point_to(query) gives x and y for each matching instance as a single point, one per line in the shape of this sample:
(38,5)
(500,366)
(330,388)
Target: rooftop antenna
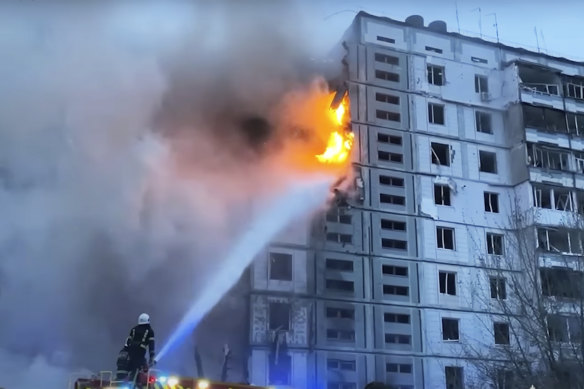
(480,20)
(536,39)
(457,19)
(543,41)
(496,25)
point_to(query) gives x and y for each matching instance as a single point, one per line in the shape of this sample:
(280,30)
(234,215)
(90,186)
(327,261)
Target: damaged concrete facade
(452,133)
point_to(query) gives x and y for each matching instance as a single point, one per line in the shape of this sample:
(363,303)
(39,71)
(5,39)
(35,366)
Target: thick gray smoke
(132,139)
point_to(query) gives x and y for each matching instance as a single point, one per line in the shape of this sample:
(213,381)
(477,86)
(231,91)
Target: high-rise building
(453,134)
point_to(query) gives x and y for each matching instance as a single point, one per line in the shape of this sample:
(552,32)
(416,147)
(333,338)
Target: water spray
(300,198)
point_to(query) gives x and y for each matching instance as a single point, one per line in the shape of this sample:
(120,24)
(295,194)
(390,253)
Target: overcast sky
(559,23)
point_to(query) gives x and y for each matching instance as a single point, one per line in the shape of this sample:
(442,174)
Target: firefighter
(123,365)
(141,338)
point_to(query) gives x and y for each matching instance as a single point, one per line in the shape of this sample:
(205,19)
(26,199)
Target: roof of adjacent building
(519,50)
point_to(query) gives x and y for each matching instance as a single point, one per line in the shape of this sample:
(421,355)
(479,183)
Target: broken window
(396,290)
(538,80)
(336,215)
(491,202)
(494,244)
(343,335)
(575,123)
(279,316)
(400,318)
(575,89)
(450,329)
(547,158)
(441,194)
(384,58)
(392,199)
(392,270)
(481,84)
(559,241)
(390,157)
(558,328)
(498,288)
(483,122)
(563,199)
(435,75)
(339,238)
(454,377)
(447,282)
(339,264)
(391,181)
(542,197)
(436,113)
(385,98)
(487,161)
(445,238)
(561,282)
(394,244)
(501,331)
(340,313)
(387,76)
(393,225)
(505,379)
(547,119)
(281,266)
(391,139)
(340,285)
(398,339)
(387,115)
(440,154)
(340,364)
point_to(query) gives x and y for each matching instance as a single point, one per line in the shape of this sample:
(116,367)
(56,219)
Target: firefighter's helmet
(144,318)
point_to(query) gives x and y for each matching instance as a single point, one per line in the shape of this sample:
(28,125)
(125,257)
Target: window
(542,197)
(483,122)
(280,267)
(390,157)
(339,264)
(553,198)
(559,241)
(447,282)
(565,328)
(392,199)
(395,244)
(505,379)
(546,158)
(487,161)
(445,238)
(387,76)
(575,90)
(435,75)
(491,202)
(335,215)
(279,316)
(498,288)
(340,313)
(391,181)
(434,49)
(385,39)
(562,282)
(386,115)
(384,58)
(392,270)
(398,339)
(341,385)
(435,113)
(478,60)
(345,335)
(501,333)
(440,154)
(494,244)
(441,194)
(385,98)
(339,364)
(404,368)
(391,139)
(339,238)
(396,290)
(400,318)
(340,285)
(481,84)
(454,377)
(393,225)
(450,329)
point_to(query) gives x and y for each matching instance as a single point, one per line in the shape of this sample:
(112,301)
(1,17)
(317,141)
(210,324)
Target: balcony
(539,85)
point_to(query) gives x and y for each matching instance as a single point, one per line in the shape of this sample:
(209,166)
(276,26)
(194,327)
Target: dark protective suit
(123,365)
(141,338)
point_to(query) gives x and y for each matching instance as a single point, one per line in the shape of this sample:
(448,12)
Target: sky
(557,22)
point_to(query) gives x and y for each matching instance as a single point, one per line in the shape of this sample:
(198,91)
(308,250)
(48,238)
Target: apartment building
(453,134)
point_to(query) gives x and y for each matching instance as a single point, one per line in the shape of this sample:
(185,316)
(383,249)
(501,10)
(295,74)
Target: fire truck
(154,380)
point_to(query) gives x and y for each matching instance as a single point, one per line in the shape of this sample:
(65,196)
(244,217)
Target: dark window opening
(445,238)
(487,161)
(478,60)
(339,264)
(281,266)
(340,285)
(387,76)
(575,123)
(394,270)
(396,290)
(447,282)
(400,318)
(547,158)
(481,84)
(495,244)
(339,238)
(392,199)
(385,39)
(564,283)
(393,225)
(435,75)
(391,181)
(501,333)
(384,58)
(335,215)
(441,194)
(385,98)
(339,364)
(450,329)
(390,157)
(404,368)
(454,377)
(483,122)
(491,202)
(436,113)
(394,244)
(279,316)
(340,313)
(498,288)
(391,139)
(546,119)
(387,115)
(398,339)
(344,335)
(440,154)
(434,49)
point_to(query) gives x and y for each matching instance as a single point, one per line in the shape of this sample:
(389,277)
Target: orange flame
(340,141)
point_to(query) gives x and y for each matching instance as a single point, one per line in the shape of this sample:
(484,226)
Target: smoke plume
(133,137)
